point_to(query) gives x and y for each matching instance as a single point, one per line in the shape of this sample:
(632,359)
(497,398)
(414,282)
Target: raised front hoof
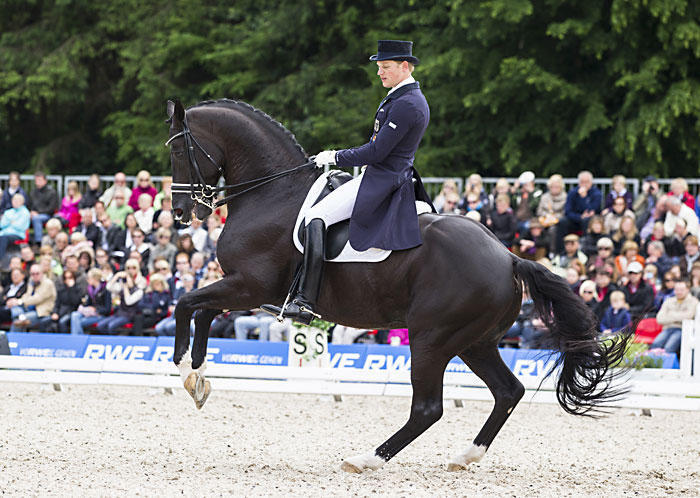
(360,463)
(199,388)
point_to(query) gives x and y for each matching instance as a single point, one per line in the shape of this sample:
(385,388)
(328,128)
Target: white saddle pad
(348,254)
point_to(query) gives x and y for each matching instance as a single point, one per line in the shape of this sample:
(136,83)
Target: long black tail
(586,378)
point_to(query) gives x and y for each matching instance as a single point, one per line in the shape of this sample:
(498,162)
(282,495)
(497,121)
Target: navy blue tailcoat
(384,215)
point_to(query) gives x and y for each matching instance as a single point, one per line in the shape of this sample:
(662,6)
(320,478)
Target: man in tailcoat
(381,201)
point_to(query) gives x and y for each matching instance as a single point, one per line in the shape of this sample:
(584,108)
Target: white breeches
(336,206)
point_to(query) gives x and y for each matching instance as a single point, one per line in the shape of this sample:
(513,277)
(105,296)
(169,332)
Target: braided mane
(255,113)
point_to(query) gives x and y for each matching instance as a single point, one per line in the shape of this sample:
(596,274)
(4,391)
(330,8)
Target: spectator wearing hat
(582,203)
(571,251)
(638,294)
(643,206)
(533,243)
(674,310)
(594,233)
(676,210)
(526,198)
(628,254)
(618,190)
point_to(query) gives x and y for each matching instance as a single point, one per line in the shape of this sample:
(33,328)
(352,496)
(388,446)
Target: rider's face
(392,72)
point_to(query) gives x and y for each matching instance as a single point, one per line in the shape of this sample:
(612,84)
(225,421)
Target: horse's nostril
(177,213)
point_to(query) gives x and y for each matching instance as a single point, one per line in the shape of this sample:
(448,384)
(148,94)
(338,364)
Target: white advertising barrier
(651,388)
(690,348)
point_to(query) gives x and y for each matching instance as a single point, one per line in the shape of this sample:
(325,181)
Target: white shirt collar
(407,81)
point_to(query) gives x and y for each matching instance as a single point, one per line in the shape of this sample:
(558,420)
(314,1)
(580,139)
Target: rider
(380,202)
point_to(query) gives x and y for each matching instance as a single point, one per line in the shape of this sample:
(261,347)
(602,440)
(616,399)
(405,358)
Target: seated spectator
(244,325)
(472,204)
(114,236)
(604,287)
(602,256)
(626,232)
(144,185)
(638,294)
(13,187)
(15,263)
(119,209)
(616,316)
(85,260)
(571,251)
(92,193)
(524,320)
(119,185)
(88,227)
(165,192)
(68,213)
(645,203)
(27,255)
(501,221)
(142,247)
(614,216)
(165,220)
(656,255)
(60,244)
(572,276)
(162,248)
(71,263)
(95,305)
(54,268)
(162,267)
(550,210)
(53,228)
(618,190)
(44,203)
(526,197)
(581,204)
(68,297)
(144,214)
(186,283)
(475,184)
(185,244)
(78,244)
(502,187)
(594,232)
(692,254)
(346,335)
(628,254)
(533,244)
(199,235)
(678,211)
(450,206)
(695,279)
(34,304)
(214,230)
(197,266)
(102,258)
(222,325)
(209,277)
(15,289)
(182,266)
(668,283)
(154,305)
(448,187)
(14,224)
(127,289)
(674,310)
(100,210)
(679,190)
(587,291)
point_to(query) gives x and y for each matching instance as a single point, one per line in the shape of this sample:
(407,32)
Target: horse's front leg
(209,301)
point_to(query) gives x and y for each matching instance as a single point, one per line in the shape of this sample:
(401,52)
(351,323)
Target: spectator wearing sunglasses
(162,248)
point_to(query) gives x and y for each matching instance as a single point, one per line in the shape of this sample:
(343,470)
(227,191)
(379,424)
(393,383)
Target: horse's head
(195,160)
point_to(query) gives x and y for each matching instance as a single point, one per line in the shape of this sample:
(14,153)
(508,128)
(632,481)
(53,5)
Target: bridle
(204,193)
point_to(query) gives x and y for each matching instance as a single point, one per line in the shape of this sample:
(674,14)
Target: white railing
(650,388)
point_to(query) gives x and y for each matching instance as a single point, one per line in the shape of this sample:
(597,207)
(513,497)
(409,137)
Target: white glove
(325,158)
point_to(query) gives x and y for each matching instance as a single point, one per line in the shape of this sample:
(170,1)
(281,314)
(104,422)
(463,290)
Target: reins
(202,192)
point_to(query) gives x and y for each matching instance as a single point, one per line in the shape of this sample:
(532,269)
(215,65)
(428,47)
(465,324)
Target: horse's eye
(178,153)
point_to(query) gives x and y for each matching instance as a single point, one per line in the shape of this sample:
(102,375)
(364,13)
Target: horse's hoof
(461,461)
(199,388)
(360,463)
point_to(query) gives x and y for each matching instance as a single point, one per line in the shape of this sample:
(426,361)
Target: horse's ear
(175,109)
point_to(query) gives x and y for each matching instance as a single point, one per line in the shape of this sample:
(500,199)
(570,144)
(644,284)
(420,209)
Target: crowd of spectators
(115,260)
(628,258)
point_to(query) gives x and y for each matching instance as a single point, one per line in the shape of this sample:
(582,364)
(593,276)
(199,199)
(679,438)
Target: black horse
(457,293)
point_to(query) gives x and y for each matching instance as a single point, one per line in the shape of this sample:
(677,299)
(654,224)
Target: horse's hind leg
(427,371)
(507,391)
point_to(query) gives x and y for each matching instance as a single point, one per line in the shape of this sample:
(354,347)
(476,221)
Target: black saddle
(337,234)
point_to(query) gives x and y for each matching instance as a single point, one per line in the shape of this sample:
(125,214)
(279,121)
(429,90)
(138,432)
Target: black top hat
(395,50)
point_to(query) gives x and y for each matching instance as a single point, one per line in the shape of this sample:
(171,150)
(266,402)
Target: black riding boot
(300,309)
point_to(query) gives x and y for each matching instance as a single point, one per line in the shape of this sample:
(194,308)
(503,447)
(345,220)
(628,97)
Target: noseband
(204,193)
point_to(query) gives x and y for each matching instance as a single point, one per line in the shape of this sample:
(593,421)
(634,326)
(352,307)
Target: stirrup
(303,308)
